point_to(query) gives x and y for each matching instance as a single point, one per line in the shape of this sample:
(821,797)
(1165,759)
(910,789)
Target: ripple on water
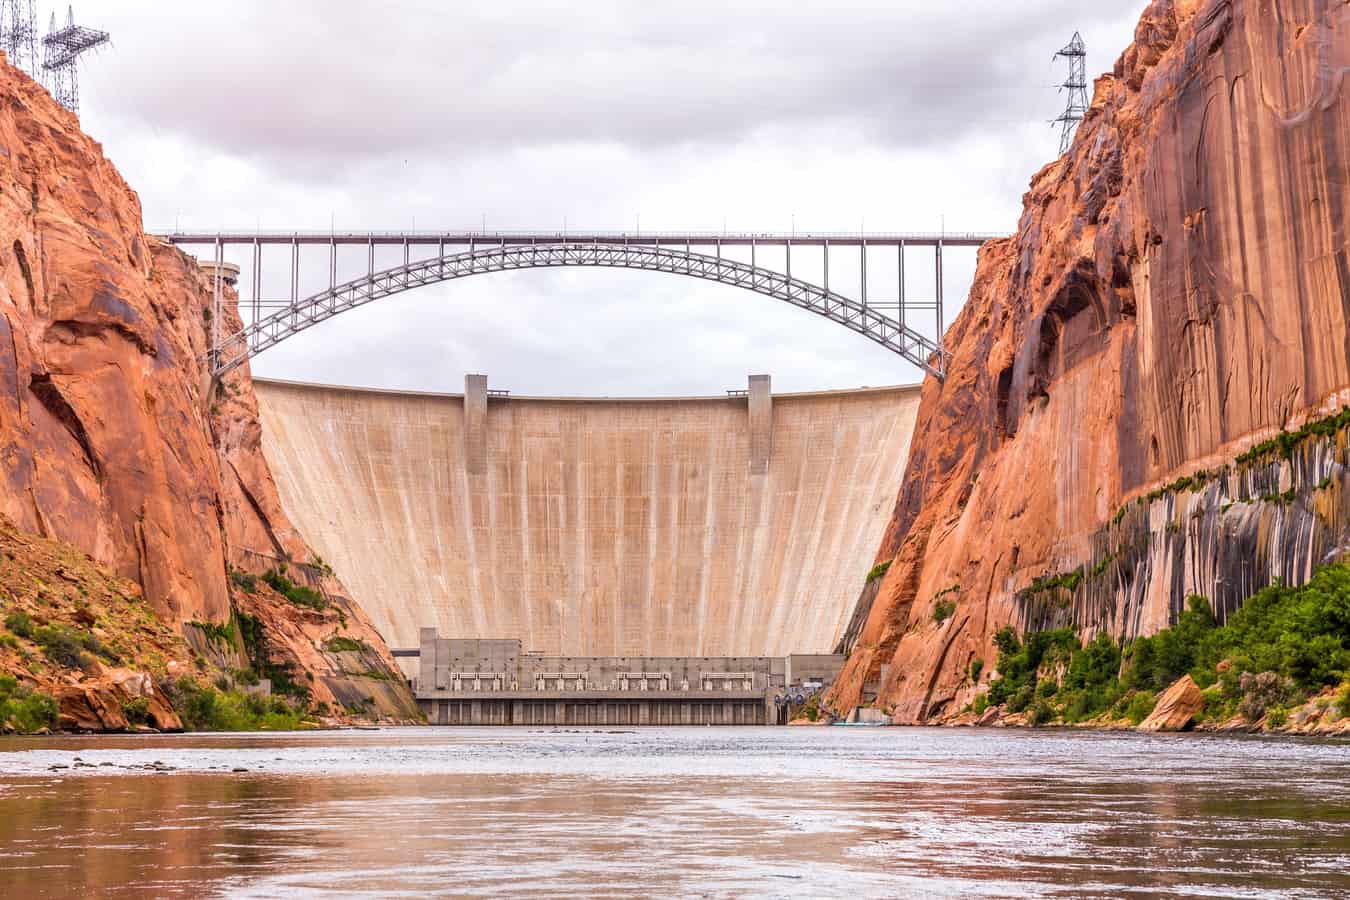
(705,812)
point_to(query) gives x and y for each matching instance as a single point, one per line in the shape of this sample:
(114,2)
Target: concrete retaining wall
(595,527)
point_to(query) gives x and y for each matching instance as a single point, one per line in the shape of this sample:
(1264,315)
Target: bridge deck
(659,238)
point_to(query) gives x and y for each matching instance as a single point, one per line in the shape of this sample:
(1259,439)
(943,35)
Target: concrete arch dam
(724,526)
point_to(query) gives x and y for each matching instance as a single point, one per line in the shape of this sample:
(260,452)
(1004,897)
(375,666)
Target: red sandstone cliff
(1178,288)
(107,441)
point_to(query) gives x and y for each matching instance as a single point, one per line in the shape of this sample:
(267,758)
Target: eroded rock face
(108,440)
(1177,290)
(102,430)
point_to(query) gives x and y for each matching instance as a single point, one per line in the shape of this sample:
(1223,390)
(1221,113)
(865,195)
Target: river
(704,812)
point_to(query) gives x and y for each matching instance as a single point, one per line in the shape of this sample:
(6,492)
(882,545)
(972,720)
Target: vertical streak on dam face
(595,527)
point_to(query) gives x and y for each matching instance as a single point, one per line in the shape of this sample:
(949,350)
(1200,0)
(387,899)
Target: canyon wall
(1176,294)
(111,437)
(595,527)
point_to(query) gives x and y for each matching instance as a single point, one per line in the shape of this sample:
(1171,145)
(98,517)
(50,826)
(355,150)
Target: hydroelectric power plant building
(595,560)
(492,682)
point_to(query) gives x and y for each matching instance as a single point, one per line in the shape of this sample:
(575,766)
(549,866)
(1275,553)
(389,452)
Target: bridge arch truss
(275,321)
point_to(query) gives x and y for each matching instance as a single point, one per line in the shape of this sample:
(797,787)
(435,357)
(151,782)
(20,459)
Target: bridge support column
(761,424)
(475,424)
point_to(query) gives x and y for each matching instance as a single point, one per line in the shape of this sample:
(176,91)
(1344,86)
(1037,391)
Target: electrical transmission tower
(18,35)
(1076,85)
(61,50)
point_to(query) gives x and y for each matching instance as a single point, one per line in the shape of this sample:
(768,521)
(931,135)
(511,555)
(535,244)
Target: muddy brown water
(701,812)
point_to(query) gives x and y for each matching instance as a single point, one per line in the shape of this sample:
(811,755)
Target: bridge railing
(524,235)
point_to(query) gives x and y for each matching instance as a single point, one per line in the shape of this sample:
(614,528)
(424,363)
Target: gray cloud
(819,116)
(341,82)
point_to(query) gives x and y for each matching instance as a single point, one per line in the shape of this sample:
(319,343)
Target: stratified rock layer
(108,441)
(1177,289)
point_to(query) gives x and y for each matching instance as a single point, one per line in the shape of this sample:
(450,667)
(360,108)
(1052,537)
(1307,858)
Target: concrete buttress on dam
(722,526)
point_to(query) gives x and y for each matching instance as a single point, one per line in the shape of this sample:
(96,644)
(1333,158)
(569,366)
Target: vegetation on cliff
(24,709)
(878,570)
(1284,645)
(279,581)
(72,634)
(222,708)
(81,649)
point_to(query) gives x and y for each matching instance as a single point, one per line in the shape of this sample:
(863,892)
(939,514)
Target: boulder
(90,706)
(1176,708)
(97,704)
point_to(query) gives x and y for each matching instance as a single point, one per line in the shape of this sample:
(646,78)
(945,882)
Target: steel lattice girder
(309,311)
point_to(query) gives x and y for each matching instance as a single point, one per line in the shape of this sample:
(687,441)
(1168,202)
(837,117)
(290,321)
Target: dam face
(595,527)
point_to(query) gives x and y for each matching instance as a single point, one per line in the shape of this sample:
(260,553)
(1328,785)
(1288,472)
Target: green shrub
(1041,713)
(10,641)
(1069,581)
(1153,663)
(24,709)
(211,709)
(1263,692)
(1343,701)
(976,667)
(1284,443)
(136,710)
(1018,663)
(1022,699)
(63,645)
(297,594)
(1139,705)
(1184,484)
(257,648)
(216,632)
(339,643)
(245,581)
(20,623)
(944,610)
(1277,717)
(980,704)
(878,570)
(1298,639)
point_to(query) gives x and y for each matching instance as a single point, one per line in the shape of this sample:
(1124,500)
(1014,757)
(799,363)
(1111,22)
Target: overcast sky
(906,115)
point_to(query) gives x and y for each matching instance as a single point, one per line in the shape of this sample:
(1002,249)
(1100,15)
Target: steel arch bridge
(274,321)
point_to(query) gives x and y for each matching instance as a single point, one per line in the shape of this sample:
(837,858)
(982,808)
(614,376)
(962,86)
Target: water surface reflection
(690,812)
